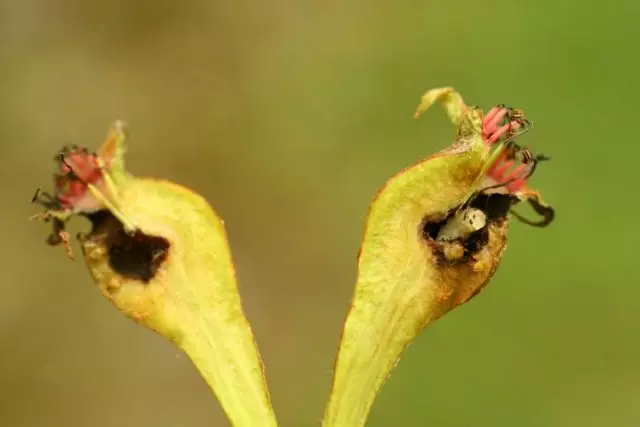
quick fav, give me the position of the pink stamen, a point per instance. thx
(501, 169)
(84, 166)
(492, 112)
(498, 161)
(75, 170)
(502, 130)
(515, 173)
(491, 125)
(516, 185)
(504, 171)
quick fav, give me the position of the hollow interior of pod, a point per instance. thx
(495, 206)
(132, 255)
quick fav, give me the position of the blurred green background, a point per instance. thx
(288, 116)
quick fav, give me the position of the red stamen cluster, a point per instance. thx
(77, 167)
(498, 124)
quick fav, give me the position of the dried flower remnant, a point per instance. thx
(80, 185)
(434, 237)
(514, 165)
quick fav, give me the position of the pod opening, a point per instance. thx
(136, 256)
(491, 209)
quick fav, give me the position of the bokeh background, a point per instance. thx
(288, 116)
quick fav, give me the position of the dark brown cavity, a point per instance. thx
(496, 206)
(136, 256)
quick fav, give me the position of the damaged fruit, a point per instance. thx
(160, 254)
(434, 237)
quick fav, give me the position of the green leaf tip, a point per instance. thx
(468, 120)
(433, 238)
(160, 254)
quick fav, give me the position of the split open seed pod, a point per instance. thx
(159, 252)
(434, 236)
